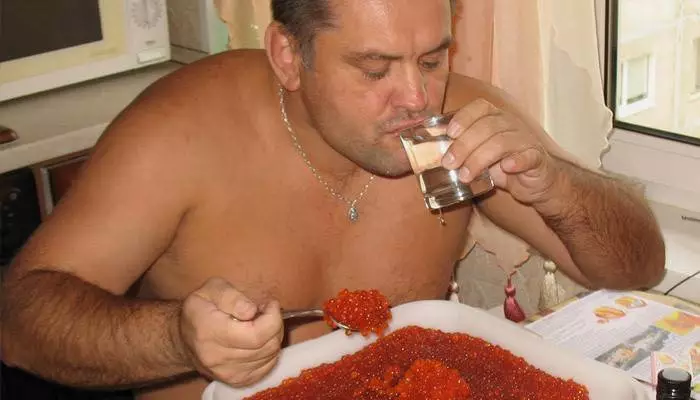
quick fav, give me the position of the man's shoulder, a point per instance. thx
(195, 105)
(235, 66)
(216, 87)
(225, 76)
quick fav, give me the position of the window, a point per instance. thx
(635, 78)
(638, 80)
(653, 48)
(652, 76)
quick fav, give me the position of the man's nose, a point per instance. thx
(412, 94)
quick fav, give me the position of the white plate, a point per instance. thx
(603, 382)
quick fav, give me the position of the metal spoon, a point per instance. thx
(312, 312)
(304, 313)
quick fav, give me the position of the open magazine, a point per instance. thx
(628, 332)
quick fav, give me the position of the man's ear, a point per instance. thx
(282, 53)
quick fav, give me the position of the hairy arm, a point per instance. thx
(598, 229)
(78, 334)
(65, 316)
(607, 226)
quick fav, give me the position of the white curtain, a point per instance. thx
(575, 111)
(546, 54)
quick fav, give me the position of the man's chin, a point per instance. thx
(391, 171)
(394, 175)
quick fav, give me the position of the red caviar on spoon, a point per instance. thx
(365, 311)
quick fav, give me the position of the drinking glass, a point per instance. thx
(425, 145)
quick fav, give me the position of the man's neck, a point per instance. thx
(330, 164)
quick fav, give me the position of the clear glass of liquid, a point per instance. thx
(425, 145)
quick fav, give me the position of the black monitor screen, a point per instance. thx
(30, 27)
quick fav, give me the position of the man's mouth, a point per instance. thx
(397, 128)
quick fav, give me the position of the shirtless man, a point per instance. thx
(197, 198)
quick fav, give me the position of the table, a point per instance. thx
(651, 295)
(682, 304)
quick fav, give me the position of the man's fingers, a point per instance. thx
(272, 314)
(479, 133)
(241, 356)
(255, 370)
(238, 350)
(229, 300)
(498, 148)
(267, 350)
(467, 116)
(257, 333)
(528, 160)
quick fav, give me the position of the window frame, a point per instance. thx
(636, 151)
(611, 60)
(647, 102)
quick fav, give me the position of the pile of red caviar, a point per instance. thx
(432, 380)
(363, 310)
(418, 363)
(424, 380)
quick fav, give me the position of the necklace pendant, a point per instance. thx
(353, 215)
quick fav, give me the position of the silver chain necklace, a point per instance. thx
(353, 214)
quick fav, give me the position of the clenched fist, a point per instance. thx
(224, 336)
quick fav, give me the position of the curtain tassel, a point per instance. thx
(511, 308)
(552, 292)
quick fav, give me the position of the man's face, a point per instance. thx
(383, 66)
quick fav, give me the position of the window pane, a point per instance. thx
(658, 65)
(637, 79)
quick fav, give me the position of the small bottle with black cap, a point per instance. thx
(673, 384)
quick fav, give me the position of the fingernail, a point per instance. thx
(508, 164)
(464, 174)
(448, 159)
(453, 130)
(245, 308)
